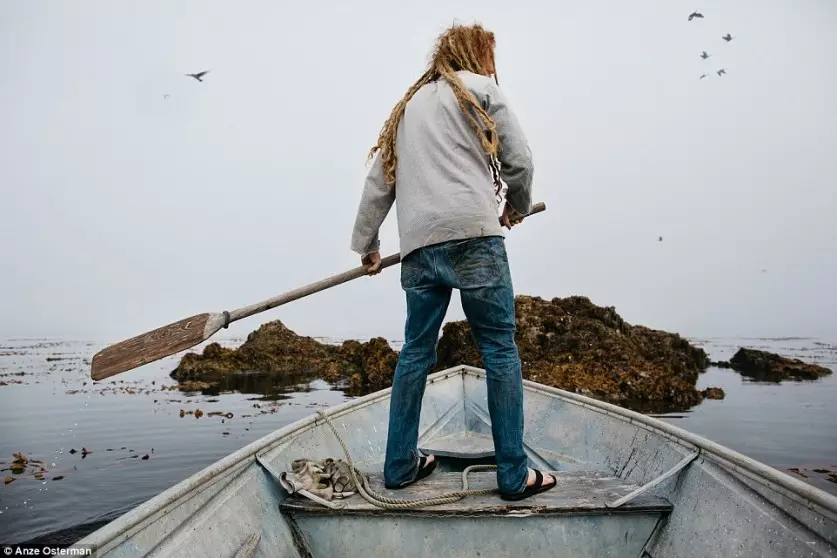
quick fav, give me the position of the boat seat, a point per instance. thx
(578, 492)
(572, 520)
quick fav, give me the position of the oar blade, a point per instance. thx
(154, 345)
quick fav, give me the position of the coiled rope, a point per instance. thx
(385, 502)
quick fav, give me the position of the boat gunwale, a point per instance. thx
(805, 494)
(229, 474)
(811, 496)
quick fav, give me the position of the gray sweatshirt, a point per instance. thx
(443, 181)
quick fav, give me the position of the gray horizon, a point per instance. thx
(123, 210)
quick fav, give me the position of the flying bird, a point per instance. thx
(659, 239)
(704, 55)
(694, 15)
(166, 96)
(727, 37)
(702, 76)
(199, 75)
(721, 72)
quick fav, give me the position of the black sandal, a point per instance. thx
(423, 471)
(536, 488)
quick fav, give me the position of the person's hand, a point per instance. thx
(510, 217)
(375, 259)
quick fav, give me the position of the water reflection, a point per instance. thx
(272, 386)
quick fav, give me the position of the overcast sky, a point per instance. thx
(122, 210)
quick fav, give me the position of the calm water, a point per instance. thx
(57, 409)
(783, 425)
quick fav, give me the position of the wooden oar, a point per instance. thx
(188, 332)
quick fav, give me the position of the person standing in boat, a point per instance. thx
(438, 153)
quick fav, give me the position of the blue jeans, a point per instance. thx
(479, 269)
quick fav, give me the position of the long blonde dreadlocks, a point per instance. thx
(469, 48)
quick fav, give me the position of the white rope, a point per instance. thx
(385, 502)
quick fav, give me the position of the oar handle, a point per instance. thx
(333, 281)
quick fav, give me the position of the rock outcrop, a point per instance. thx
(572, 344)
(274, 358)
(273, 348)
(713, 393)
(367, 367)
(770, 367)
(567, 343)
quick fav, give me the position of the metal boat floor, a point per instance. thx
(578, 492)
